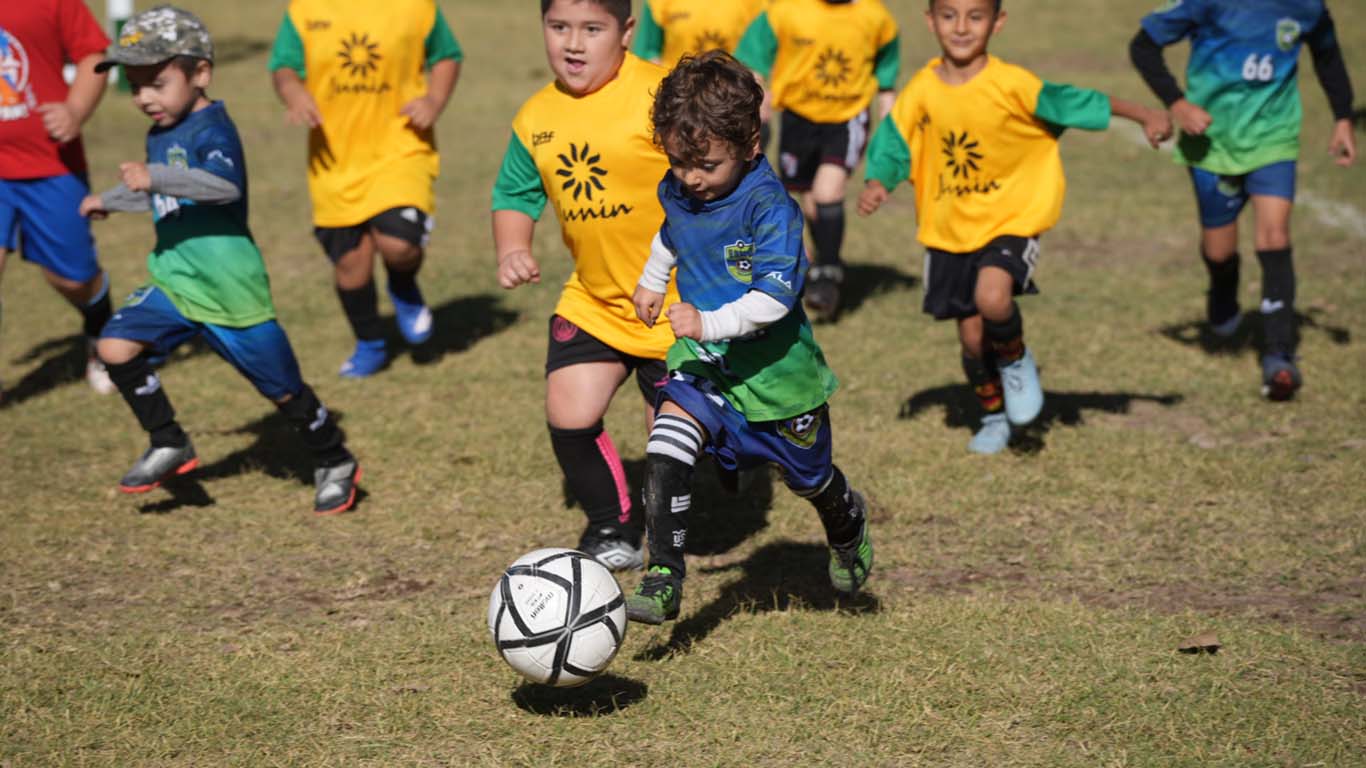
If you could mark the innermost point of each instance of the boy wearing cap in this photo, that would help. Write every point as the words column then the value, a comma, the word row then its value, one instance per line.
column 208, row 279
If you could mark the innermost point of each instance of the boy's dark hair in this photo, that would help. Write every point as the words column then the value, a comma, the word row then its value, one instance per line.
column 620, row 9
column 707, row 96
column 997, row 3
column 187, row 64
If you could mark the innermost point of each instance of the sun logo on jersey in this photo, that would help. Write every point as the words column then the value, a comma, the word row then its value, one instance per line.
column 711, row 40
column 833, row 68
column 961, row 154
column 360, row 57
column 740, row 261
column 1287, row 34
column 581, row 172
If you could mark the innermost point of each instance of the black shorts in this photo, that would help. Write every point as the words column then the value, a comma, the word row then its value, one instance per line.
column 951, row 278
column 571, row 345
column 805, row 146
column 409, row 224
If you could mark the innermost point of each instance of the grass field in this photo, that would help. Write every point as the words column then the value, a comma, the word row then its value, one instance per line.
column 1025, row 610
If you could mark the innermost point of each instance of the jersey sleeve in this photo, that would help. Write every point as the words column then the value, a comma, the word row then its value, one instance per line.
column 220, row 155
column 519, row 187
column 1067, row 106
column 777, row 262
column 441, row 43
column 887, row 63
column 288, row 50
column 649, row 40
column 81, row 34
column 1175, row 20
column 1330, row 67
column 889, row 153
column 758, row 47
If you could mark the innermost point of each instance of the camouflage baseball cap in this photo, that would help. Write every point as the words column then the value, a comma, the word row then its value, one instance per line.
column 154, row 36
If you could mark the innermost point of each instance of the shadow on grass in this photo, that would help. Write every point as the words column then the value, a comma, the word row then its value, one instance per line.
column 1249, row 335
column 1059, row 408
column 864, row 281
column 63, row 362
column 777, row 577
column 603, row 695
column 458, row 325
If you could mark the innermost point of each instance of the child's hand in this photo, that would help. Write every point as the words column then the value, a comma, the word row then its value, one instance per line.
column 871, row 198
column 302, row 110
column 421, row 113
column 92, row 207
column 135, row 176
column 686, row 321
column 1192, row 119
column 648, row 305
column 59, row 121
column 1157, row 126
column 516, row 268
column 1343, row 145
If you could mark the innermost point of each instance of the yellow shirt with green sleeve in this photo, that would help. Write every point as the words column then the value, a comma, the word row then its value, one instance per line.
column 671, row 29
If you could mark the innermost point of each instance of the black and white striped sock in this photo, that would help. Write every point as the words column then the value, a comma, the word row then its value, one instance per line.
column 675, row 437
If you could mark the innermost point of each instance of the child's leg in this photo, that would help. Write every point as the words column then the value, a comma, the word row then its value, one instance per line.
column 1219, row 200
column 1280, row 374
column 401, row 235
column 352, row 251
column 827, row 203
column 141, row 389
column 1003, row 329
column 979, row 365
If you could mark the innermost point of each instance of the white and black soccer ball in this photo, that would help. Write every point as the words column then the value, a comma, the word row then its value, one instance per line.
column 557, row 616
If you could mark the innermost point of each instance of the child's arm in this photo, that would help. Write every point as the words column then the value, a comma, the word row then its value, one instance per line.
column 518, row 199
column 512, row 231
column 119, row 199
column 63, row 120
column 1146, row 55
column 745, row 315
column 889, row 163
column 1332, row 74
column 443, row 57
column 287, row 73
column 1156, row 124
column 1067, row 106
column 654, row 281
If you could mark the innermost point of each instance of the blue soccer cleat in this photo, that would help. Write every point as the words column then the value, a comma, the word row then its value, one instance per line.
column 994, row 435
column 1023, row 395
column 414, row 318
column 369, row 358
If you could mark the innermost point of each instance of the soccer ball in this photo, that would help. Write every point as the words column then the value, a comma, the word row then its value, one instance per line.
column 557, row 616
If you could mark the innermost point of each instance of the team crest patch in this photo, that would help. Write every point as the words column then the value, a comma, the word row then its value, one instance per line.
column 177, row 157
column 801, row 431
column 1287, row 34
column 740, row 261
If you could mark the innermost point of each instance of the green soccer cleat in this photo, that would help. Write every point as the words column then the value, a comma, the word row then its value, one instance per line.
column 850, row 564
column 657, row 598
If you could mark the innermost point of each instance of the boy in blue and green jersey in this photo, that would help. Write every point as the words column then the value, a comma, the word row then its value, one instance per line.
column 1240, row 136
column 747, row 381
column 208, row 279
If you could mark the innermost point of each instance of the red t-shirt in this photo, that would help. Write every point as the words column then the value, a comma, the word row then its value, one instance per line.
column 36, row 38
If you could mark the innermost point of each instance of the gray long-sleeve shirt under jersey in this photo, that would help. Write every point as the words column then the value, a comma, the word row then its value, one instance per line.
column 187, row 183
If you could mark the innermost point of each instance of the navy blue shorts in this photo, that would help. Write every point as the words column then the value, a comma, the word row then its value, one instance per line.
column 41, row 218
column 800, row 446
column 259, row 352
column 1221, row 198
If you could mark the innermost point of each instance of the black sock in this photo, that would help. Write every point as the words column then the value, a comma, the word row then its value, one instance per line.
column 402, row 284
column 141, row 389
column 1278, row 301
column 827, row 232
column 595, row 476
column 96, row 312
column 1221, row 303
column 985, row 381
column 670, row 456
column 361, row 306
column 1006, row 338
column 314, row 423
column 842, row 519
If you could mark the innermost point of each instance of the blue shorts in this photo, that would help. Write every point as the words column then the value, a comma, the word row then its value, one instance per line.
column 1221, row 198
column 800, row 446
column 259, row 352
column 42, row 219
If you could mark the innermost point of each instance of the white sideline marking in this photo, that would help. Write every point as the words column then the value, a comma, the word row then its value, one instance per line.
column 1329, row 212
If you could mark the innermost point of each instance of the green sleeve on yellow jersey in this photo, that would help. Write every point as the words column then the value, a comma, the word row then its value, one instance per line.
column 889, row 156
column 759, row 47
column 887, row 65
column 288, row 51
column 649, row 41
column 1067, row 106
column 441, row 43
column 519, row 187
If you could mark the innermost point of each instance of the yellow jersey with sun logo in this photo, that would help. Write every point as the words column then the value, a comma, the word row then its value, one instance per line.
column 983, row 155
column 594, row 159
column 671, row 29
column 362, row 62
column 824, row 61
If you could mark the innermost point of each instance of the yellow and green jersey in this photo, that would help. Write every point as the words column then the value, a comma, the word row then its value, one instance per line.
column 824, row 61
column 594, row 159
column 362, row 62
column 983, row 156
column 668, row 30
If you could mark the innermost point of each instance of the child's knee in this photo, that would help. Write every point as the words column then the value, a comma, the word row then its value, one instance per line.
column 118, row 351
column 1274, row 236
column 397, row 252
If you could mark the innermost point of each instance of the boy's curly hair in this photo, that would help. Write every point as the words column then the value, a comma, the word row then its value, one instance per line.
column 620, row 9
column 707, row 96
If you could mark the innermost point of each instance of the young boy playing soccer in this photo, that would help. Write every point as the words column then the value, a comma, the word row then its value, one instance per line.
column 353, row 73
column 42, row 162
column 747, row 380
column 978, row 138
column 583, row 144
column 208, row 279
column 1240, row 137
column 823, row 62
column 672, row 29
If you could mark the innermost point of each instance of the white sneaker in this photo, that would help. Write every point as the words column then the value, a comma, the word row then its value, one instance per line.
column 98, row 378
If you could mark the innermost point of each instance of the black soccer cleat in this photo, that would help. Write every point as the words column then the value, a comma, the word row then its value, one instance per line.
column 335, row 487
column 157, row 465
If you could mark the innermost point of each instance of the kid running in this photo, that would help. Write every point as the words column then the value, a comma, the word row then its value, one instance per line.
column 672, row 29
column 353, row 73
column 208, row 279
column 747, row 380
column 978, row 138
column 583, row 143
column 1240, row 136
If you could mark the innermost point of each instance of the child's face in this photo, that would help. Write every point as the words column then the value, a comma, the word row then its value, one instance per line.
column 713, row 175
column 964, row 27
column 165, row 93
column 584, row 43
